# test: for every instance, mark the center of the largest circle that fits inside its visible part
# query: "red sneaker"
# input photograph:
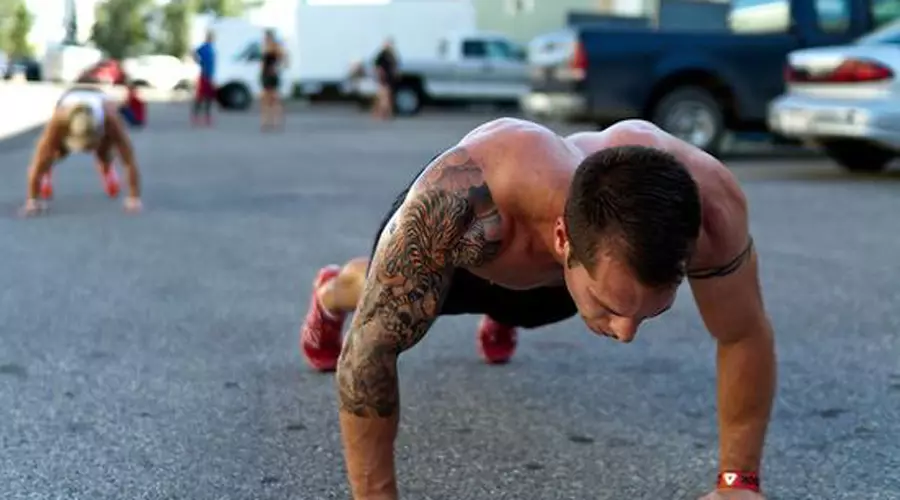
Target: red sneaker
(496, 342)
(46, 188)
(320, 335)
(111, 184)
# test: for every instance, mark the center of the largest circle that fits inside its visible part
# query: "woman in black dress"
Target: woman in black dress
(271, 108)
(386, 76)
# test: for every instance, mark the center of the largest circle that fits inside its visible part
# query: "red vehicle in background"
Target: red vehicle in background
(107, 71)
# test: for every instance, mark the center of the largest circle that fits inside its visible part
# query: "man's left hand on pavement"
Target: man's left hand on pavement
(724, 494)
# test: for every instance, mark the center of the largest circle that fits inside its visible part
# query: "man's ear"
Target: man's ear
(561, 239)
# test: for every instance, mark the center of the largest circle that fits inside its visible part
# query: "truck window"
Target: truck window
(885, 11)
(474, 49)
(759, 16)
(498, 49)
(251, 52)
(833, 15)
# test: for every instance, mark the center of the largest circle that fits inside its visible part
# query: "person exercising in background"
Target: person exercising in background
(528, 229)
(85, 120)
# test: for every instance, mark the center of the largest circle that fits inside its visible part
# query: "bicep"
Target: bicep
(48, 145)
(724, 277)
(409, 274)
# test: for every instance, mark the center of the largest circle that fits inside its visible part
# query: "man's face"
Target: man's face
(610, 300)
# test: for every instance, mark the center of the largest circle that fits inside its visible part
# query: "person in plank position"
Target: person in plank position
(85, 120)
(529, 228)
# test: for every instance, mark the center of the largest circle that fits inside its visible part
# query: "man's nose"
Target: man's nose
(624, 329)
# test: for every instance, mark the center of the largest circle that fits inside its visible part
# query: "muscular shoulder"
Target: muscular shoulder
(451, 209)
(519, 158)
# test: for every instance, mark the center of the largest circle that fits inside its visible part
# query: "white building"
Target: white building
(50, 17)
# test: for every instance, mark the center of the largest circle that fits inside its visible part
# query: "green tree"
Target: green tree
(120, 28)
(221, 8)
(15, 39)
(175, 23)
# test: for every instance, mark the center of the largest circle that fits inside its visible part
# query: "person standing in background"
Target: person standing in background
(386, 77)
(205, 55)
(273, 59)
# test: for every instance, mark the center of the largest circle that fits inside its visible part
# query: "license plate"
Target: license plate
(794, 121)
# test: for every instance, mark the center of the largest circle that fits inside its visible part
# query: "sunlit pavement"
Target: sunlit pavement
(156, 356)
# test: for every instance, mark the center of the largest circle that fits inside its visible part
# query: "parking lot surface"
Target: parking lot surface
(155, 357)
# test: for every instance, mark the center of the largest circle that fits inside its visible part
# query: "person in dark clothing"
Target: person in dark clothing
(386, 76)
(273, 59)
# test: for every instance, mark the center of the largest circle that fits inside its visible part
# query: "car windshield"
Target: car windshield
(889, 33)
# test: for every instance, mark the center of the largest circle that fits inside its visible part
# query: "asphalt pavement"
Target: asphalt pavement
(155, 357)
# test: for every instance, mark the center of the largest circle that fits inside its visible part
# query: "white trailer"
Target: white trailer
(325, 38)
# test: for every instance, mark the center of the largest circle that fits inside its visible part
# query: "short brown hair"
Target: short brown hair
(639, 202)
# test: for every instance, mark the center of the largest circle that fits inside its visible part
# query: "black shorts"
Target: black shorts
(470, 294)
(270, 82)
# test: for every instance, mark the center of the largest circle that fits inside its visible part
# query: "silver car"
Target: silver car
(845, 100)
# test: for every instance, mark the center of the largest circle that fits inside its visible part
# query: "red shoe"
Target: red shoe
(496, 342)
(111, 184)
(320, 335)
(46, 188)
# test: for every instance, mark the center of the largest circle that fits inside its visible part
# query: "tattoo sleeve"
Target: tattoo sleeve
(726, 269)
(448, 220)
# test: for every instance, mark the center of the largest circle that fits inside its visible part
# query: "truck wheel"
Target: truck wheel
(693, 115)
(859, 156)
(407, 99)
(235, 96)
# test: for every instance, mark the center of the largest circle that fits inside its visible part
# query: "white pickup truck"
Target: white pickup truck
(467, 67)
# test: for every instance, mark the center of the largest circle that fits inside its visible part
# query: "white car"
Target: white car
(845, 100)
(161, 71)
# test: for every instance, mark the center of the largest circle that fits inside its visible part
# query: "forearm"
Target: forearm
(369, 415)
(134, 181)
(133, 175)
(369, 455)
(746, 390)
(39, 167)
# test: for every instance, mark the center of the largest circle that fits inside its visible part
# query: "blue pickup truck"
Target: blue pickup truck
(695, 84)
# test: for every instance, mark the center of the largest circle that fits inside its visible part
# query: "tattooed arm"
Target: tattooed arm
(448, 221)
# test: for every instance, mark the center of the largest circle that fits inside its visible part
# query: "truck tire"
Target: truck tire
(235, 96)
(859, 156)
(693, 115)
(408, 99)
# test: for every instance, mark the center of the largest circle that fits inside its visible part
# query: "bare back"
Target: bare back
(527, 169)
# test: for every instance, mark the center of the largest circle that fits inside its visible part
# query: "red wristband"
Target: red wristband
(735, 480)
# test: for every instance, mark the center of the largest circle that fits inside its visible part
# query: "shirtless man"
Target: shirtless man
(85, 120)
(529, 228)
